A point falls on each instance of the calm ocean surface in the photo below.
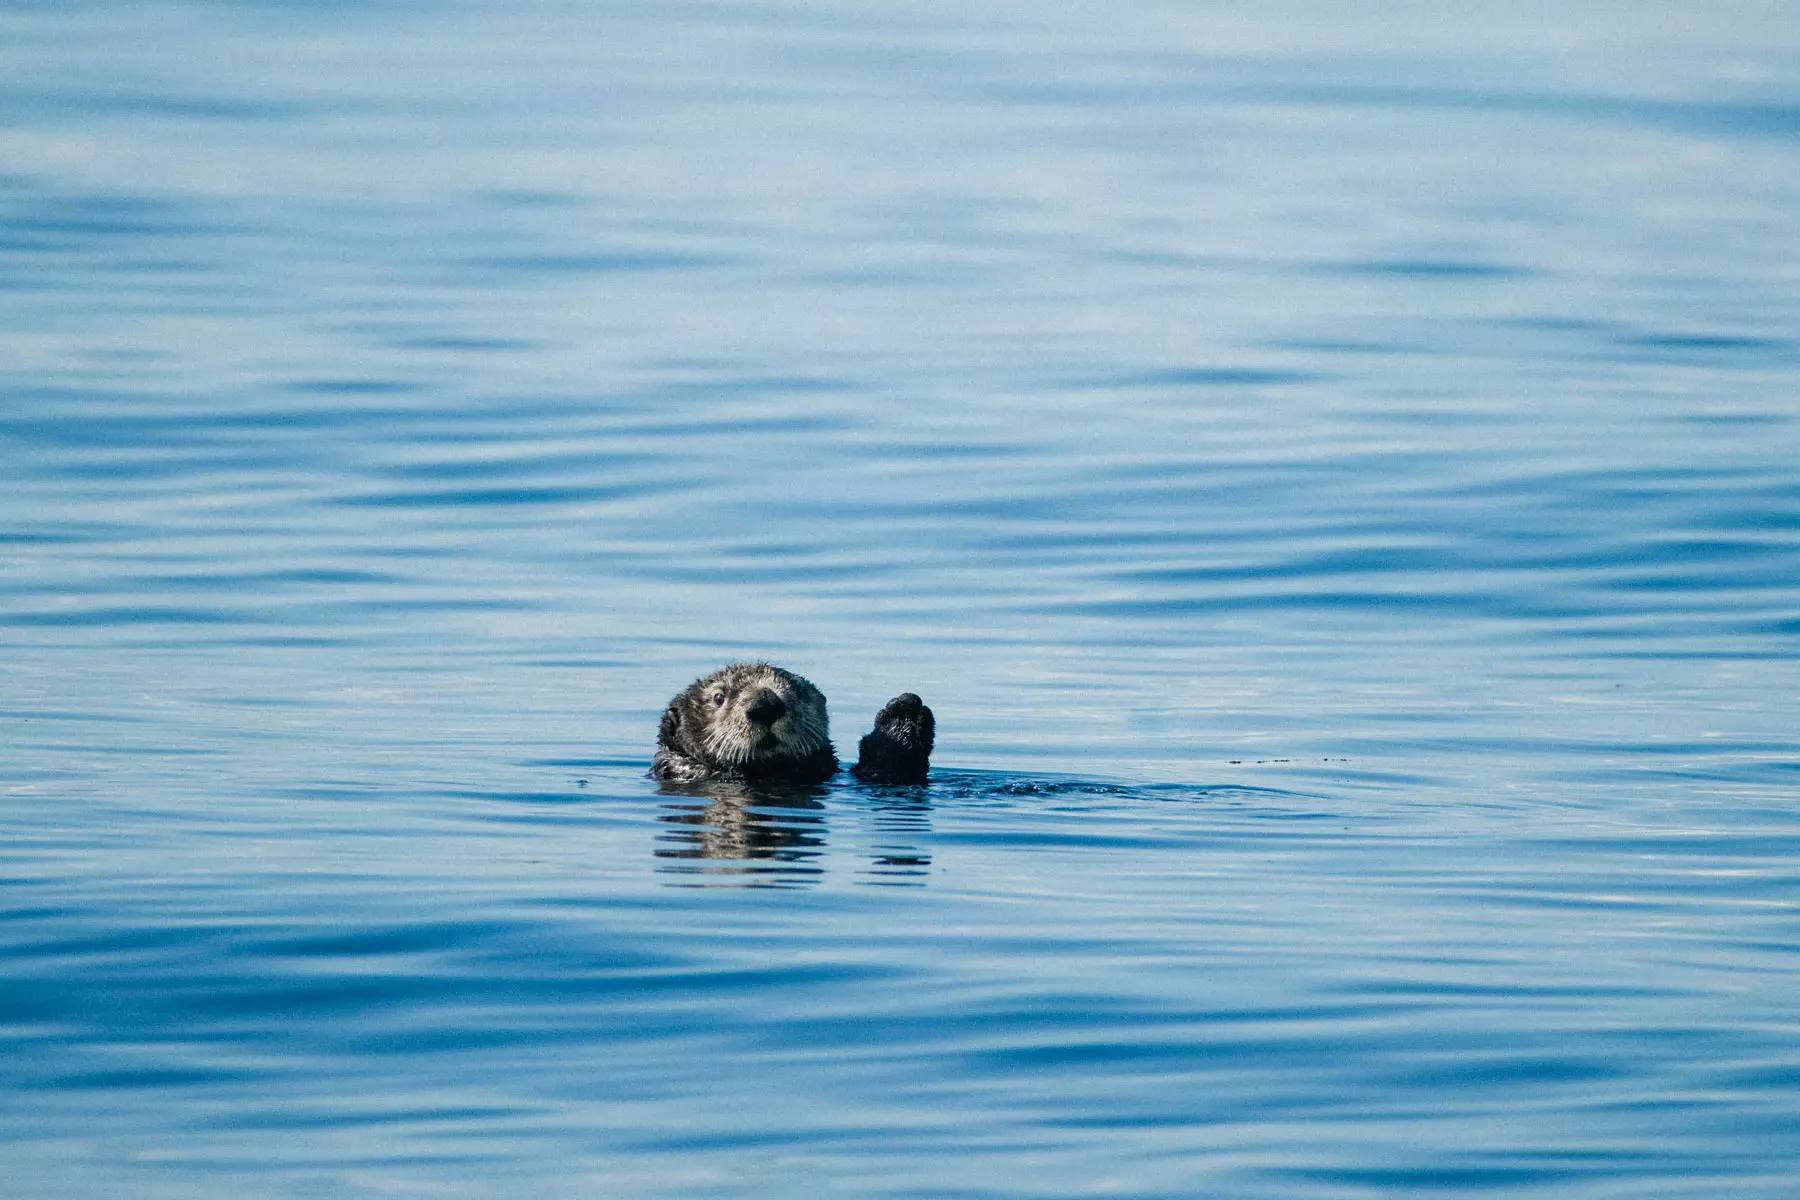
(1334, 471)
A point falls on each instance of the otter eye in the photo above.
(718, 698)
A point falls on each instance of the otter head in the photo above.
(749, 720)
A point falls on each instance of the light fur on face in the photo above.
(749, 719)
(756, 722)
(732, 737)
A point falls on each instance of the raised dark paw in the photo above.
(898, 749)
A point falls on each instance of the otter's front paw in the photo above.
(898, 749)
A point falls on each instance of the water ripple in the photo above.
(1332, 476)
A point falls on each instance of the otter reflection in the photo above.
(735, 833)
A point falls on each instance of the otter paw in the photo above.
(898, 749)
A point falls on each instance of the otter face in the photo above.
(749, 719)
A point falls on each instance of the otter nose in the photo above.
(767, 710)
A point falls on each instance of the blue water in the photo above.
(1333, 470)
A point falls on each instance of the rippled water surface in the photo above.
(1335, 473)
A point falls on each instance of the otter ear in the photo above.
(671, 722)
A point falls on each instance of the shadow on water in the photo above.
(730, 833)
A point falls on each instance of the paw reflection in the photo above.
(733, 833)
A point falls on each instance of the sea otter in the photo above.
(754, 721)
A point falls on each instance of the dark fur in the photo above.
(898, 749)
(757, 722)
